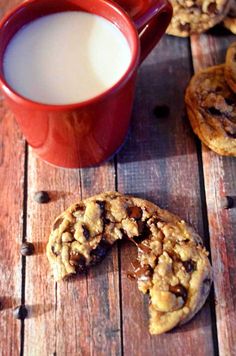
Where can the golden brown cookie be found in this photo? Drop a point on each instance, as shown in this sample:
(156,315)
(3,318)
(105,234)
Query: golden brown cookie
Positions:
(230,20)
(190,16)
(172,265)
(211,108)
(230,24)
(230,66)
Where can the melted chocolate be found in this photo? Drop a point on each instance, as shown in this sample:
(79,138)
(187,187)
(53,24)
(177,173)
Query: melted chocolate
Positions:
(213,111)
(189,266)
(57,223)
(78,260)
(134,212)
(53,251)
(78,207)
(212,8)
(180,291)
(86,232)
(144,248)
(184,27)
(139,271)
(102,206)
(100,251)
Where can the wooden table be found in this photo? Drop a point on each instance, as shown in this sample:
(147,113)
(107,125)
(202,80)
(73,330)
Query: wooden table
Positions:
(103,313)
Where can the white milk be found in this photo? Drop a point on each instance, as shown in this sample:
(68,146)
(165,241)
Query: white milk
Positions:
(66,58)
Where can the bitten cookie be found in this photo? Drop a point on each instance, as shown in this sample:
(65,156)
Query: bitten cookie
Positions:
(230,66)
(190,16)
(172,264)
(211,108)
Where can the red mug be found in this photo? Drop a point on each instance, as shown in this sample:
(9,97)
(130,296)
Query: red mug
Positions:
(86,133)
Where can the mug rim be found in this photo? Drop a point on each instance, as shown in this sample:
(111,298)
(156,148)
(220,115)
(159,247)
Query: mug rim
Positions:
(135,56)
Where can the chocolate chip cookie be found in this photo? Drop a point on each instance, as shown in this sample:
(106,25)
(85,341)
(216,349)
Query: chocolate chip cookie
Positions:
(191,16)
(230,20)
(230,66)
(230,24)
(172,265)
(211,107)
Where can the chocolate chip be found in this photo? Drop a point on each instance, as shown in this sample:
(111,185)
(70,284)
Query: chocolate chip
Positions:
(212,8)
(78,260)
(184,27)
(139,271)
(161,111)
(214,111)
(180,291)
(234,57)
(100,251)
(174,256)
(142,247)
(78,207)
(141,226)
(139,239)
(27,249)
(86,232)
(124,235)
(57,223)
(189,266)
(230,101)
(205,286)
(232,135)
(134,212)
(20,312)
(144,232)
(218,89)
(41,197)
(227,202)
(53,251)
(102,206)
(1,305)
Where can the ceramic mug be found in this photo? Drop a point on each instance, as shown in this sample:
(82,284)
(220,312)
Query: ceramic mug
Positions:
(89,132)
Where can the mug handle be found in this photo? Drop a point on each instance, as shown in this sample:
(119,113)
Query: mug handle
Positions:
(151,18)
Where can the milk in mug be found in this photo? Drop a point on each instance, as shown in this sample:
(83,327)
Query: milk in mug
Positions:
(66,58)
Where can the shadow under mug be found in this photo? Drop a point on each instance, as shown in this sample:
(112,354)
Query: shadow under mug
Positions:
(86,133)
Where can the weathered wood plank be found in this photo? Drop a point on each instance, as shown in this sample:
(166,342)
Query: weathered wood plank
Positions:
(80,317)
(12,154)
(7,5)
(159,162)
(220,181)
(12,147)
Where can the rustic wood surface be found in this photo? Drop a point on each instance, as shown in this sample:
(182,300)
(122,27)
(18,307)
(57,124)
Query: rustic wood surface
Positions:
(102,312)
(220,181)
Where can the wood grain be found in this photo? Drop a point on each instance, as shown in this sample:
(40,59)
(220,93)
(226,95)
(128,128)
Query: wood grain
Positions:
(7,5)
(159,162)
(80,317)
(220,181)
(12,148)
